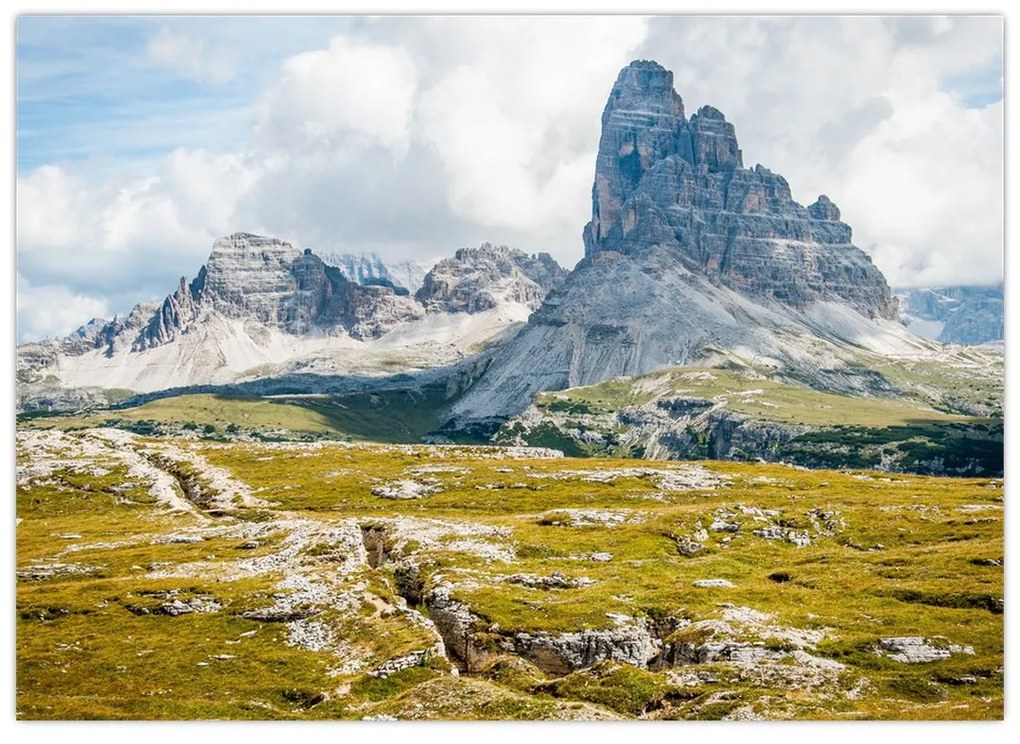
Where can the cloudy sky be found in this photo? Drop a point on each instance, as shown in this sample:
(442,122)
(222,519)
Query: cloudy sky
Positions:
(140,140)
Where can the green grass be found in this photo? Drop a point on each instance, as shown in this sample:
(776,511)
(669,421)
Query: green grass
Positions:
(910,560)
(776,401)
(387,416)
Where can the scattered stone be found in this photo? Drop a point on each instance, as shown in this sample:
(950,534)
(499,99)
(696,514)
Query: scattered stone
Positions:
(759,515)
(41,571)
(174,605)
(279,614)
(178,607)
(405,489)
(694,678)
(743,713)
(966,679)
(310,634)
(429,469)
(713,584)
(688,547)
(826,522)
(800,538)
(996,562)
(556,580)
(918,650)
(392,666)
(185,539)
(721,526)
(250,545)
(587,518)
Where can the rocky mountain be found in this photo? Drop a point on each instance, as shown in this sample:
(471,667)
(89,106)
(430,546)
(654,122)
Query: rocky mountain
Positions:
(661,179)
(271,282)
(689,252)
(955,315)
(262,307)
(367,268)
(478,279)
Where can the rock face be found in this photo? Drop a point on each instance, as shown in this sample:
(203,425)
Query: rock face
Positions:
(955,315)
(478,279)
(269,281)
(663,180)
(688,254)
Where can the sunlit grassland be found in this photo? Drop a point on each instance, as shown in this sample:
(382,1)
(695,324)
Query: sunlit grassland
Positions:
(919,556)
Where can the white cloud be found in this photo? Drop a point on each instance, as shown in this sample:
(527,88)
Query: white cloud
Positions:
(105,235)
(53,310)
(191,57)
(352,87)
(925,187)
(517,133)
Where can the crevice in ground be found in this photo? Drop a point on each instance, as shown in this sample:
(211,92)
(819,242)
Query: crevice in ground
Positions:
(190,483)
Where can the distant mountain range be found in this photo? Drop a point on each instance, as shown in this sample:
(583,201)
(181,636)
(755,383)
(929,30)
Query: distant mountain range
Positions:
(262,308)
(364,268)
(955,315)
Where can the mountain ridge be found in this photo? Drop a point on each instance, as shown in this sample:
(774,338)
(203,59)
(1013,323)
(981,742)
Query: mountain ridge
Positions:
(262,306)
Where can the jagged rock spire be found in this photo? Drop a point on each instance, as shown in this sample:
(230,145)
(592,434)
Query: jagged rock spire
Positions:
(663,179)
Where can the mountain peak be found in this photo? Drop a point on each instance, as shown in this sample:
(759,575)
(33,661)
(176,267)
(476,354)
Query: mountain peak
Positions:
(661,180)
(688,252)
(482,278)
(646,87)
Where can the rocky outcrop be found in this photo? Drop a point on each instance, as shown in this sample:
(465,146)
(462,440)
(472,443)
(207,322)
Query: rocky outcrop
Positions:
(663,180)
(917,650)
(752,425)
(478,279)
(688,252)
(566,652)
(272,283)
(177,312)
(369,311)
(955,315)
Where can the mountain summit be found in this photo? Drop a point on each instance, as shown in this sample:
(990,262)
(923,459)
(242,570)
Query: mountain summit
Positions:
(689,255)
(661,179)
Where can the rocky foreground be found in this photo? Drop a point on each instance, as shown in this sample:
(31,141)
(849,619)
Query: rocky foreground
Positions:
(182,578)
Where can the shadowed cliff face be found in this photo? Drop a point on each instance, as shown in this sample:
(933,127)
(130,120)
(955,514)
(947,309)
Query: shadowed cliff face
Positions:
(664,180)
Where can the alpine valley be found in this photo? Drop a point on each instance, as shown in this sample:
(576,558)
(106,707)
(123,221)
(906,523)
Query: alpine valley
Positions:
(383,490)
(712,316)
